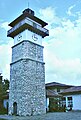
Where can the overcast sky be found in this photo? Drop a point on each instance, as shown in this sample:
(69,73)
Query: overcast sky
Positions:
(62,49)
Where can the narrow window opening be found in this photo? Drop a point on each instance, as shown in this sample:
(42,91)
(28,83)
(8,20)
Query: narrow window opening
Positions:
(14,108)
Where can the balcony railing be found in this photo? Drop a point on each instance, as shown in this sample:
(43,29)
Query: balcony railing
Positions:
(30,23)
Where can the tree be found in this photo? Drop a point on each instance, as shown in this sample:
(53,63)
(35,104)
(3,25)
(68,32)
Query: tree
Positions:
(1,95)
(4,86)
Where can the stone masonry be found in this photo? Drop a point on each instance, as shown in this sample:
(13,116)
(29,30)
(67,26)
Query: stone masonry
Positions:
(27,79)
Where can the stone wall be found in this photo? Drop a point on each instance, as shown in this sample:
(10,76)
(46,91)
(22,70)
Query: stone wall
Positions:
(27,49)
(27,79)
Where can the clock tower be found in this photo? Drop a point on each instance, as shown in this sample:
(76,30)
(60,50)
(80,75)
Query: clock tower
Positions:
(27,70)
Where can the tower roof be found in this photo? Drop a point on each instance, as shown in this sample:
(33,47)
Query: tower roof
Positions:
(27,21)
(30,14)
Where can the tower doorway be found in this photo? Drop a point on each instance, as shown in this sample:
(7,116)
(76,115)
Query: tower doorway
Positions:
(14,108)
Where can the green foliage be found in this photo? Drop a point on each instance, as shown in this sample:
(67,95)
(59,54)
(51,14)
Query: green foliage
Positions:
(4,86)
(54,105)
(3,111)
(1,91)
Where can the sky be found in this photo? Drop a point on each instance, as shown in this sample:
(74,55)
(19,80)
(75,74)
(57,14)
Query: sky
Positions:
(62,48)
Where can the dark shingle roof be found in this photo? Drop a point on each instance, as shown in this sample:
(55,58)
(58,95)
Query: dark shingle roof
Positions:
(56,84)
(72,90)
(52,93)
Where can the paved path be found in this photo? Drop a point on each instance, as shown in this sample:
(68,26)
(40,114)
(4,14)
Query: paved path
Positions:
(48,116)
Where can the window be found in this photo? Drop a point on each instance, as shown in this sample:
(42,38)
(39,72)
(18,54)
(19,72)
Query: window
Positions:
(58,89)
(14,108)
(70,102)
(63,102)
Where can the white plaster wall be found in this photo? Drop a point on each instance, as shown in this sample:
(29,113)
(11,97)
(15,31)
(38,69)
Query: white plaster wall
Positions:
(66,102)
(76,102)
(47,104)
(5,103)
(28,35)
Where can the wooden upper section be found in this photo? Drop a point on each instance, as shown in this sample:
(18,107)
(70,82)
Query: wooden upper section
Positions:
(27,20)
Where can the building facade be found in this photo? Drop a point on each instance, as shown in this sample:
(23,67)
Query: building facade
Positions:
(72,98)
(66,98)
(55,102)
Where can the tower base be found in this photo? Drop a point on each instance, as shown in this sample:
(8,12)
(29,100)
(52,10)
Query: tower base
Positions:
(27,88)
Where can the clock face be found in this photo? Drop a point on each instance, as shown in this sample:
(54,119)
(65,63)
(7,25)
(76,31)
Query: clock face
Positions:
(34,37)
(28,35)
(19,37)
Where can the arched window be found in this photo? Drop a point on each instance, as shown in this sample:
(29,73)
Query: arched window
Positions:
(14,108)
